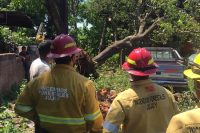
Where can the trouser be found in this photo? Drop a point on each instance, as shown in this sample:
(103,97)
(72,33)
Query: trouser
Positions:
(26,70)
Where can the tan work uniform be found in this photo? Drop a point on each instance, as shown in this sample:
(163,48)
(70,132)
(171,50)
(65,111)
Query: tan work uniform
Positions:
(186,122)
(64,101)
(147,108)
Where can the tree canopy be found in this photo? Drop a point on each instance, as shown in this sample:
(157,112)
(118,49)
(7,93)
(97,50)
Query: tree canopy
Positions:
(107,26)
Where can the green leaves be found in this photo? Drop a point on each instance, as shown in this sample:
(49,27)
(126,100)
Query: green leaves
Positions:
(18,37)
(177,26)
(112,78)
(163,33)
(9,121)
(185,100)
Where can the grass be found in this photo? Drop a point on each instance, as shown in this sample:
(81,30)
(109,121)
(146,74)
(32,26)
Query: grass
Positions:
(115,79)
(9,121)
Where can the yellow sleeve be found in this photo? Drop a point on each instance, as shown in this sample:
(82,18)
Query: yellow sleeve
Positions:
(175,126)
(25,105)
(93,114)
(114,118)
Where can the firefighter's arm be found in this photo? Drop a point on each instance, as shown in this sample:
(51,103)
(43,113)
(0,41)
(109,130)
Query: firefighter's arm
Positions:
(114,118)
(24,104)
(175,126)
(93,116)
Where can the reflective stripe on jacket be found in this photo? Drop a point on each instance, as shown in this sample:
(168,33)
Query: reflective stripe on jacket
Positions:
(61,120)
(63,99)
(23,108)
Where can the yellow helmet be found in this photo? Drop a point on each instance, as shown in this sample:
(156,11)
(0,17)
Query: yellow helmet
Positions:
(194,72)
(39,38)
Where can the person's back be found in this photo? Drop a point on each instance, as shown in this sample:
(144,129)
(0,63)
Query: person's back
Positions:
(186,122)
(61,98)
(40,65)
(152,109)
(148,108)
(37,67)
(144,108)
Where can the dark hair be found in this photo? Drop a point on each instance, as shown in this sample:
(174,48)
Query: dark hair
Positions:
(23,47)
(137,78)
(63,60)
(44,47)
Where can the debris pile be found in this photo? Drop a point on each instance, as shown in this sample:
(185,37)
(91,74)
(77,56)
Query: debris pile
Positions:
(105,96)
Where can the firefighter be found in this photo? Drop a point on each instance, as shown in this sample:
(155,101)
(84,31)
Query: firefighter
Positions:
(63,100)
(144,108)
(189,121)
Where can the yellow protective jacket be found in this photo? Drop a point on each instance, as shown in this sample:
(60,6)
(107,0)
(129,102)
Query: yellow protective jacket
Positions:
(186,122)
(63,100)
(146,108)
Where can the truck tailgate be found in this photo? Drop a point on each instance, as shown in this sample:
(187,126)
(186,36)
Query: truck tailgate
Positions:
(169,71)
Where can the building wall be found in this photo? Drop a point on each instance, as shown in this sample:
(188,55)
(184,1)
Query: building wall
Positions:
(11,71)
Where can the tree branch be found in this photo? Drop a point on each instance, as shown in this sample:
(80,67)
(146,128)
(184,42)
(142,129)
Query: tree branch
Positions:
(55,15)
(142,22)
(151,27)
(124,43)
(141,28)
(147,15)
(190,31)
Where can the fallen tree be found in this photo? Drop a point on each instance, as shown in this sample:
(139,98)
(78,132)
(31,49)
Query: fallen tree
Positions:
(126,42)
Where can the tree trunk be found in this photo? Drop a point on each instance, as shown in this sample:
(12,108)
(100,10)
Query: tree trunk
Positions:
(56,15)
(111,50)
(74,12)
(63,14)
(101,44)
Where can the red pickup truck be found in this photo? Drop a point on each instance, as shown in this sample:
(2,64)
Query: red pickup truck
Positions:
(171,67)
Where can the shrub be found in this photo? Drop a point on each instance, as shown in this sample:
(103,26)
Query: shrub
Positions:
(112,78)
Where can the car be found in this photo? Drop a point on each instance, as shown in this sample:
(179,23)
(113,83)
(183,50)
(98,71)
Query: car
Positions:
(170,67)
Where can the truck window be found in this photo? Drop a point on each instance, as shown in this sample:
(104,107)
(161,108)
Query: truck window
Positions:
(167,55)
(162,55)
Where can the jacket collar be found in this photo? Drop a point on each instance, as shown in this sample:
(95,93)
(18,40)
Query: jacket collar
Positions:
(44,61)
(141,82)
(64,66)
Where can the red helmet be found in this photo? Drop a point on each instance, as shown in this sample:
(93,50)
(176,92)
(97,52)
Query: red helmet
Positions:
(63,45)
(140,63)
